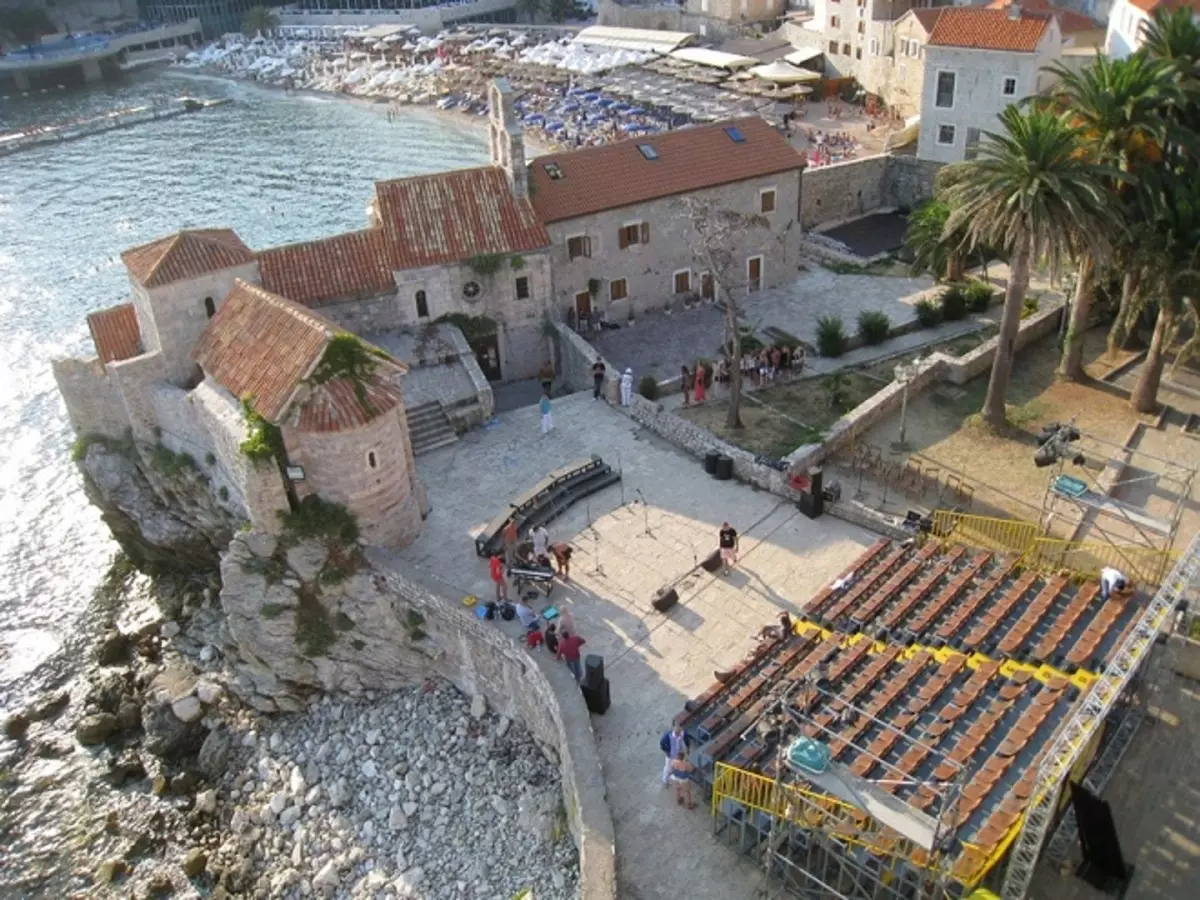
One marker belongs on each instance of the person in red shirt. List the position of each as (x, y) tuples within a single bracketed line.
[(568, 652), (534, 638), (496, 567)]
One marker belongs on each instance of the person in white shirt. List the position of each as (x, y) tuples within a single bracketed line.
[(541, 543), (627, 388), (1111, 580), (527, 616)]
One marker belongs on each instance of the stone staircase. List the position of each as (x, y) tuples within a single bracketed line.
[(429, 428)]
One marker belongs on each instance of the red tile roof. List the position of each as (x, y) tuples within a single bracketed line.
[(343, 267), (187, 254), (449, 217), (988, 29), (1149, 6), (690, 159), (927, 18), (115, 333), (263, 346), (1069, 21), (336, 406)]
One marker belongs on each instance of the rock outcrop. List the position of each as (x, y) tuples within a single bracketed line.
[(308, 615), (159, 506)]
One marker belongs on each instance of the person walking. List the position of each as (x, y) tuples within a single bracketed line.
[(685, 385), (727, 541), (681, 777), (568, 652), (671, 744), (496, 570), (627, 388), (546, 377), (510, 537), (547, 418), (598, 373), (698, 382)]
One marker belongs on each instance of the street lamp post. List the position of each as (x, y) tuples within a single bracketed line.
[(905, 373)]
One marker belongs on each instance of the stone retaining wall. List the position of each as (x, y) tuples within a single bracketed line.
[(849, 190), (479, 658), (575, 360)]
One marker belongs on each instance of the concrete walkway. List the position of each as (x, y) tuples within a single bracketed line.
[(630, 540), (660, 343)]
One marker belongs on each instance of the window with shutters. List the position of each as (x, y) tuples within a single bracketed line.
[(523, 287), (943, 97), (845, 49), (618, 289), (766, 200), (579, 246), (633, 233), (682, 281), (833, 48), (834, 22)]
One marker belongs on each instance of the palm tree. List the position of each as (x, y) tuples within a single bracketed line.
[(258, 20), (1115, 105), (1034, 195), (932, 252)]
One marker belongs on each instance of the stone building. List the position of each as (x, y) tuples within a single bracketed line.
[(619, 224), (1128, 20)]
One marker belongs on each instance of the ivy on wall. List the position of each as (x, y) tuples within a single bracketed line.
[(346, 356), (264, 441), (472, 327)]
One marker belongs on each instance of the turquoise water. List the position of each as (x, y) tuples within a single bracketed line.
[(275, 168)]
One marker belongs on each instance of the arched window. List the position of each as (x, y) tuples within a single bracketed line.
[(422, 306), (210, 306), (371, 461)]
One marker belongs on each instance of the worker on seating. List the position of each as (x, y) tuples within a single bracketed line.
[(1112, 580)]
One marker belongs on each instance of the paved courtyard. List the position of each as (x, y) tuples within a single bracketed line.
[(873, 234), (630, 540), (659, 344)]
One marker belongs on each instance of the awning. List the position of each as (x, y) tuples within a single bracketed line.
[(780, 72), (800, 57), (379, 32), (633, 38), (713, 58)]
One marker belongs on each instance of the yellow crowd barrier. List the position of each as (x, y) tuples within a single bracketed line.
[(985, 532)]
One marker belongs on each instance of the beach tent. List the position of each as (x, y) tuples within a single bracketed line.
[(780, 72), (713, 59), (662, 42)]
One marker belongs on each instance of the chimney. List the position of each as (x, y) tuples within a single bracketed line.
[(1014, 11), (506, 137)]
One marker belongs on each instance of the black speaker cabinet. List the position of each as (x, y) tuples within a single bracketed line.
[(664, 599), (593, 669), (597, 698), (712, 562), (816, 477), (812, 504)]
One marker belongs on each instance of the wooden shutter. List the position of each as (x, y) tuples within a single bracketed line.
[(645, 232), (587, 247), (622, 238)]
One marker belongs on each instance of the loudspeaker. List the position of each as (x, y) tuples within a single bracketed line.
[(664, 599), (593, 669), (597, 698), (812, 504), (816, 477), (1103, 865), (710, 461), (712, 562), (724, 468)]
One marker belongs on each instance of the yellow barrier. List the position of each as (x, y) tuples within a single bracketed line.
[(985, 532)]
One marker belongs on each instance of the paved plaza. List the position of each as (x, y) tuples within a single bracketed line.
[(630, 540), (659, 344)]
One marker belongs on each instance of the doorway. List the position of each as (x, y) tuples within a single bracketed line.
[(754, 267), (706, 286), (583, 310), (487, 354)]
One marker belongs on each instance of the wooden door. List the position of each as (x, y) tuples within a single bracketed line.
[(754, 274), (583, 307), (487, 354), (706, 286)]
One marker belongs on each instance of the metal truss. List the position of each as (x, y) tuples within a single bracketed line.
[(1082, 726)]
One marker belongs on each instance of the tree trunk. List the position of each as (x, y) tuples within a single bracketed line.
[(1010, 321), (1129, 288), (1071, 365), (1145, 394), (733, 417), (954, 268)]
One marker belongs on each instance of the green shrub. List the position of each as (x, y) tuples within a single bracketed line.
[(954, 304), (831, 336), (929, 313), (264, 441), (317, 518), (210, 459), (978, 295), (79, 447), (648, 387), (1028, 307), (874, 326)]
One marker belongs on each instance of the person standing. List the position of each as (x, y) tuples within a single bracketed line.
[(627, 388), (698, 382), (727, 540), (496, 569), (541, 544), (510, 537), (681, 777), (562, 559), (598, 372), (568, 652), (546, 377), (547, 418), (685, 385), (672, 743)]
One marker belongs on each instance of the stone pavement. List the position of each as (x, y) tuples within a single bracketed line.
[(630, 540), (660, 343)]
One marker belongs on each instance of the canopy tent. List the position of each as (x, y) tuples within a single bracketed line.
[(800, 57), (633, 38), (780, 72), (379, 32), (714, 59)]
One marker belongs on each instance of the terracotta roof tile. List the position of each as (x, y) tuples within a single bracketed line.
[(988, 29), (1149, 6), (450, 217), (1069, 21), (618, 174), (261, 345), (335, 405), (115, 333), (343, 267), (186, 255)]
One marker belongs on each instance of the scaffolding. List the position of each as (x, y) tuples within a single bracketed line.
[(1083, 726)]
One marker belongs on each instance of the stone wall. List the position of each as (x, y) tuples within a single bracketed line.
[(485, 400), (365, 315), (134, 380), (575, 360), (93, 405), (962, 369), (848, 190)]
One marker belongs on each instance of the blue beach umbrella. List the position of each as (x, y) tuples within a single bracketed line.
[(570, 107), (555, 126)]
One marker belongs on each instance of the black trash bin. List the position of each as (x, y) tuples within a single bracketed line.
[(710, 461), (724, 468)]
